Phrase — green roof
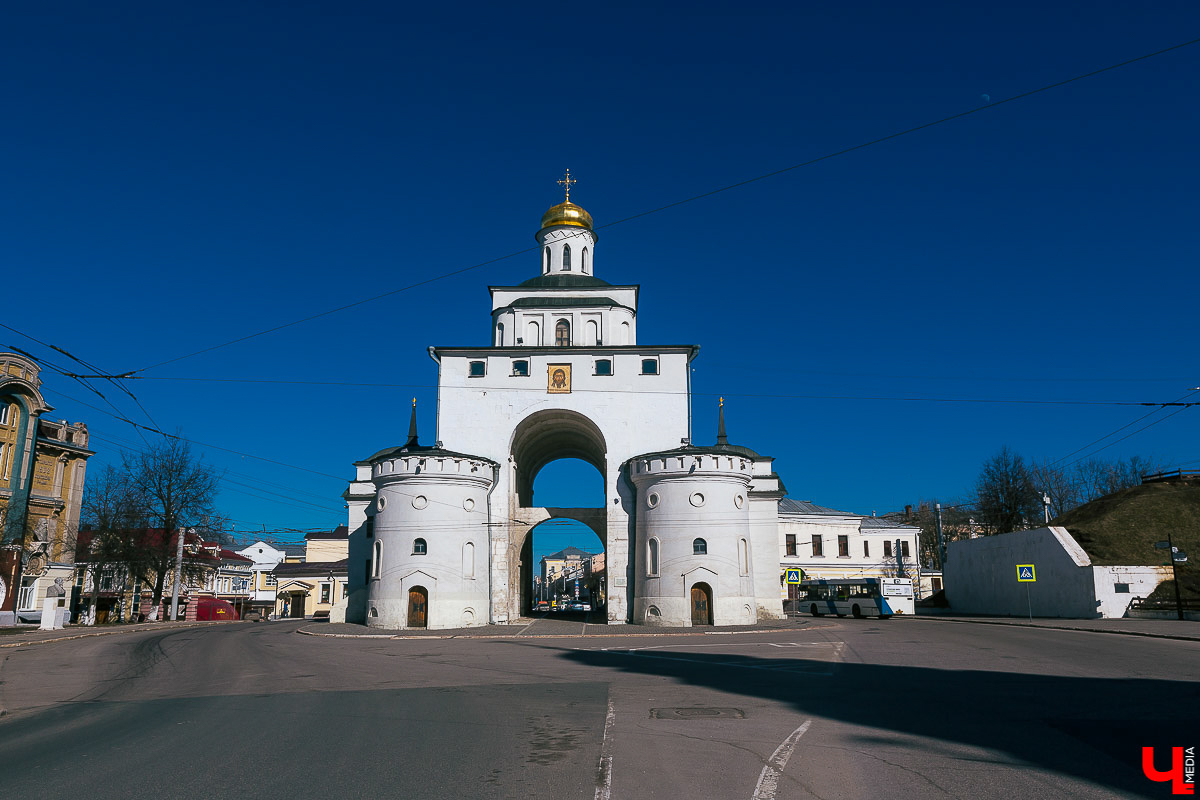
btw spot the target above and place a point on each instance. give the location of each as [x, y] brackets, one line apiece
[563, 280]
[557, 302]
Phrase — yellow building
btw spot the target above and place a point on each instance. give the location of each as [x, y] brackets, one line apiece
[316, 586]
[43, 463]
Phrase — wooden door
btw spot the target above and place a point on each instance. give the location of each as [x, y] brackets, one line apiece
[701, 604]
[418, 605]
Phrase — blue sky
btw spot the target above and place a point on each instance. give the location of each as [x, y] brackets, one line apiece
[178, 177]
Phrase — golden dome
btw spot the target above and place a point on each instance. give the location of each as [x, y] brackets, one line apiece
[567, 214]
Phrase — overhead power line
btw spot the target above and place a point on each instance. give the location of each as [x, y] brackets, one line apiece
[683, 201]
[575, 390]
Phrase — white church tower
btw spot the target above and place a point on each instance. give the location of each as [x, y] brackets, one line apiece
[441, 534]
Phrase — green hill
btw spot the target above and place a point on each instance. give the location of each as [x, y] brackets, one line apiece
[1121, 528]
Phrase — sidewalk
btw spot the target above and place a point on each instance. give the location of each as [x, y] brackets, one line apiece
[1155, 628]
[20, 635]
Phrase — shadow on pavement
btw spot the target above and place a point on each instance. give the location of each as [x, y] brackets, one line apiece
[1090, 728]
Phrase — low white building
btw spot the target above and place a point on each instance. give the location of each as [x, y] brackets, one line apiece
[827, 544]
[981, 577]
[263, 587]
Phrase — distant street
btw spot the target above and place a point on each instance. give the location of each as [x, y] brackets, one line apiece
[904, 708]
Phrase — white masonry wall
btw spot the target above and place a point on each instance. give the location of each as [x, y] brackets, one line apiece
[636, 413]
[980, 577]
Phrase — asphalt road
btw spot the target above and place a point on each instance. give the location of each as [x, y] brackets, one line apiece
[903, 708]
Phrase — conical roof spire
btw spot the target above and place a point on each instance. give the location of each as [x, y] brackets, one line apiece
[721, 437]
[412, 427]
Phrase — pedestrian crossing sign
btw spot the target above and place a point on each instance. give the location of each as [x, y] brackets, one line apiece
[793, 575]
[1026, 574]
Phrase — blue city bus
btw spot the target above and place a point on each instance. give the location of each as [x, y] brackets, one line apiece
[858, 597]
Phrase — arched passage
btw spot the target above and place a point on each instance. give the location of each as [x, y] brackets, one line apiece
[551, 435]
[566, 575]
[541, 439]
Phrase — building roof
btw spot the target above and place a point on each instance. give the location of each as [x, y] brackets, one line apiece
[314, 568]
[884, 522]
[229, 555]
[704, 449]
[568, 302]
[568, 552]
[430, 451]
[340, 532]
[563, 280]
[789, 506]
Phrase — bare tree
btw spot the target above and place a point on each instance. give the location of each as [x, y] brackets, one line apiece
[1006, 498]
[1060, 484]
[107, 540]
[175, 491]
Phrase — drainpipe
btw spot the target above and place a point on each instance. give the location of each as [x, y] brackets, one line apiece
[487, 525]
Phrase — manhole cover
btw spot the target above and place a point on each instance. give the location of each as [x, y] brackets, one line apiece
[697, 713]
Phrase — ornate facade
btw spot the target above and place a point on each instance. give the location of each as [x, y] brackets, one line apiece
[43, 464]
[441, 533]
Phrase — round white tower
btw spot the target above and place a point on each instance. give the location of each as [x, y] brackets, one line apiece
[694, 563]
[428, 538]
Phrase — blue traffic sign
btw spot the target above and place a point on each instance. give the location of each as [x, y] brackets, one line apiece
[1026, 573]
[793, 576]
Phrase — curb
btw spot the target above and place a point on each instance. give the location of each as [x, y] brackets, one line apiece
[1144, 634]
[390, 636]
[130, 629]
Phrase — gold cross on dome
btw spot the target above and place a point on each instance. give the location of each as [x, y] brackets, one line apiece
[566, 184]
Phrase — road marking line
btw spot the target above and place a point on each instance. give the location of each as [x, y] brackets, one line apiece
[768, 781]
[604, 771]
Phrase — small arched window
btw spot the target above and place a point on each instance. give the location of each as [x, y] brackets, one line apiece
[533, 334]
[376, 562]
[546, 261]
[468, 564]
[583, 261]
[419, 547]
[500, 334]
[743, 557]
[592, 336]
[652, 558]
[566, 257]
[699, 547]
[562, 334]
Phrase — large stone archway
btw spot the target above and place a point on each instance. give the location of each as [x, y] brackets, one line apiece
[550, 435]
[541, 438]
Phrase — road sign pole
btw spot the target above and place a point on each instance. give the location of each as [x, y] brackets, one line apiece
[1029, 601]
[1174, 576]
